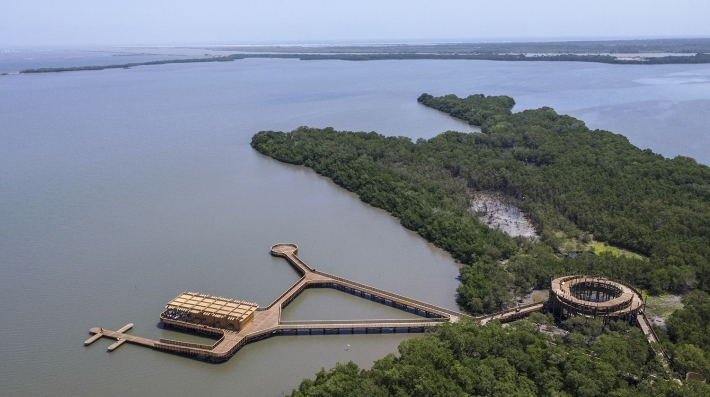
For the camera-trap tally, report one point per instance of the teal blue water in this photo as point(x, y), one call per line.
point(120, 189)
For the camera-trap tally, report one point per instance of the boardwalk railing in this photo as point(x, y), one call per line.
point(355, 322)
point(303, 264)
point(267, 321)
point(513, 312)
point(298, 287)
point(361, 326)
point(650, 328)
point(288, 291)
point(196, 327)
point(668, 361)
point(515, 309)
point(389, 295)
point(188, 344)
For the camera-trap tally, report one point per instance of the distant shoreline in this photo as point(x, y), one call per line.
point(127, 65)
point(617, 52)
point(689, 59)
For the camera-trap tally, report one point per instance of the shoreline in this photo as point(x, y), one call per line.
point(698, 58)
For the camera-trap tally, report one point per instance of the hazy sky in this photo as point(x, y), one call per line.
point(175, 22)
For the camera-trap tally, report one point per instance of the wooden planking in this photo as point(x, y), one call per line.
point(93, 339)
point(646, 328)
point(311, 275)
point(512, 314)
point(267, 322)
point(629, 300)
point(119, 336)
point(116, 344)
point(358, 325)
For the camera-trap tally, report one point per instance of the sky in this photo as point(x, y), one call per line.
point(30, 23)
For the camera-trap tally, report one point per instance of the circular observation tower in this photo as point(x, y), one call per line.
point(594, 296)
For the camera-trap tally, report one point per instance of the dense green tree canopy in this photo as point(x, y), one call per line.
point(566, 177)
point(468, 360)
point(572, 182)
point(689, 332)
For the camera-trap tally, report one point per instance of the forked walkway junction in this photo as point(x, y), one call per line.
point(237, 323)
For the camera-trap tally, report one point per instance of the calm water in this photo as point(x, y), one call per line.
point(12, 61)
point(119, 189)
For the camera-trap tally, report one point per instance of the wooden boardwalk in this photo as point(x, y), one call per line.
point(119, 336)
point(513, 313)
point(623, 301)
point(647, 329)
point(267, 321)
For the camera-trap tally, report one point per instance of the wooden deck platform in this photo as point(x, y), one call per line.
point(267, 321)
point(119, 336)
point(624, 302)
point(513, 313)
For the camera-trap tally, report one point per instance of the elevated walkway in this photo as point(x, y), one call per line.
point(595, 296)
point(267, 321)
point(624, 301)
point(513, 313)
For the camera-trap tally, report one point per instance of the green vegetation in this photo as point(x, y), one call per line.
point(601, 247)
point(570, 51)
point(228, 58)
point(662, 306)
point(689, 334)
point(468, 360)
point(697, 58)
point(686, 46)
point(646, 219)
point(567, 178)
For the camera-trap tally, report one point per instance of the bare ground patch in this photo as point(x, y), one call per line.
point(499, 212)
point(535, 296)
point(659, 308)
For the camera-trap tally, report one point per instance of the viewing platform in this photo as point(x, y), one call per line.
point(237, 323)
point(595, 297)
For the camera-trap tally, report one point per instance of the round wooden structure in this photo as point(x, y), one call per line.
point(594, 297)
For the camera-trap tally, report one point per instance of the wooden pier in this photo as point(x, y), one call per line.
point(119, 336)
point(267, 322)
